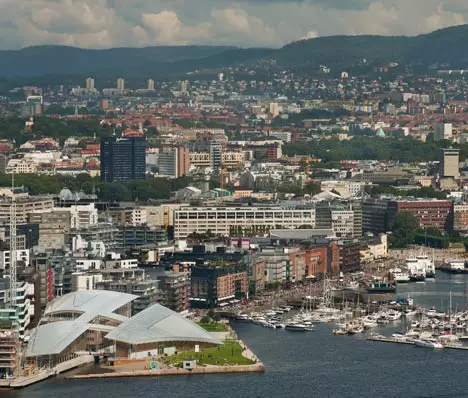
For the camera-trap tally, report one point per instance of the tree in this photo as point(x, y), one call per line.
point(404, 229)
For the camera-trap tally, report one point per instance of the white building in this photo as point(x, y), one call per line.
point(85, 264)
point(81, 281)
point(220, 220)
point(443, 131)
point(21, 255)
point(83, 216)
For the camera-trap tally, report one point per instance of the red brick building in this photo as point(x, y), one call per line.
point(430, 213)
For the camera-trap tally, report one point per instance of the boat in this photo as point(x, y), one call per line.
point(401, 277)
point(296, 327)
point(243, 318)
point(453, 266)
point(416, 269)
point(381, 287)
point(353, 286)
point(428, 343)
point(427, 264)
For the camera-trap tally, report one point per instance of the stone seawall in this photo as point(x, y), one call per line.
point(201, 370)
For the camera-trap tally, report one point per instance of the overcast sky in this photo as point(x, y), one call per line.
point(246, 23)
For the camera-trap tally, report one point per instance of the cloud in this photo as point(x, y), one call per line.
point(109, 23)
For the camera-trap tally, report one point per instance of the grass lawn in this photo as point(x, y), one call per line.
point(213, 327)
point(230, 353)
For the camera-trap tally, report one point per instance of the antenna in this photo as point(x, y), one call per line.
point(13, 244)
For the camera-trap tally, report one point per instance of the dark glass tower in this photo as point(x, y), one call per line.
point(123, 158)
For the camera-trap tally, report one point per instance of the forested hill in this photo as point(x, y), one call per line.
point(445, 48)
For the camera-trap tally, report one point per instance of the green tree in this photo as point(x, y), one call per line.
point(404, 229)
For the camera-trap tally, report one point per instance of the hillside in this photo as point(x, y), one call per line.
point(359, 54)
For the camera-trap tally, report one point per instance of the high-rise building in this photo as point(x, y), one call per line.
point(449, 163)
point(184, 86)
point(174, 162)
point(443, 131)
point(274, 109)
point(120, 84)
point(216, 154)
point(90, 84)
point(123, 158)
point(104, 104)
point(150, 84)
point(34, 105)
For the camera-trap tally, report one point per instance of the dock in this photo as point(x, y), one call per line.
point(385, 339)
point(396, 340)
point(25, 381)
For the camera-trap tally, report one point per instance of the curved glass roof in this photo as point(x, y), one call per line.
point(54, 337)
point(159, 324)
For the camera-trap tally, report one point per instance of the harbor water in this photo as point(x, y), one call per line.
point(314, 364)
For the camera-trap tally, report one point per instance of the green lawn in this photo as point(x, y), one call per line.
point(213, 327)
point(230, 353)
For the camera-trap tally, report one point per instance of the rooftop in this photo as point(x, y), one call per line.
point(158, 324)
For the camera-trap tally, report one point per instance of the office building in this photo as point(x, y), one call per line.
point(229, 221)
point(184, 86)
point(150, 84)
point(90, 84)
point(174, 162)
point(34, 104)
point(449, 163)
point(123, 158)
point(120, 84)
point(443, 131)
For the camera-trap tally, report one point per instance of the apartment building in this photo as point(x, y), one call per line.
point(24, 206)
point(221, 220)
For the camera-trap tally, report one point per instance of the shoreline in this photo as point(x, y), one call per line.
point(201, 370)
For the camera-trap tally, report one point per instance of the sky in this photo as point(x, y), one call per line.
point(245, 23)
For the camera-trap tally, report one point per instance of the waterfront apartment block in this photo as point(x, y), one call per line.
point(221, 220)
point(215, 283)
point(8, 348)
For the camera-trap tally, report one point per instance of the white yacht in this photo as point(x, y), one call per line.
point(428, 343)
point(296, 327)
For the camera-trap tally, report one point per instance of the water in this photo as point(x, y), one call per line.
point(315, 364)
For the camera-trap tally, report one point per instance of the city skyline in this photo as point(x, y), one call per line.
point(113, 23)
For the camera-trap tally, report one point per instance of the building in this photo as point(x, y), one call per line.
point(5, 259)
point(460, 217)
point(230, 221)
point(120, 84)
point(349, 256)
point(375, 215)
point(443, 131)
point(146, 290)
point(90, 85)
point(76, 322)
point(216, 155)
point(216, 282)
point(123, 158)
point(132, 216)
point(433, 213)
point(184, 86)
point(150, 85)
point(174, 162)
point(9, 344)
point(177, 291)
point(24, 206)
point(449, 163)
point(274, 109)
point(158, 331)
point(24, 310)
